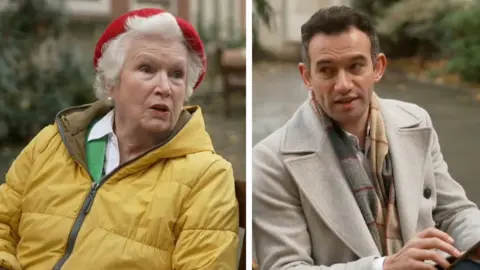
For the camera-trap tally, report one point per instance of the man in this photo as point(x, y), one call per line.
point(353, 181)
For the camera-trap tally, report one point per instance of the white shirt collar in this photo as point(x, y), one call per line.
point(102, 128)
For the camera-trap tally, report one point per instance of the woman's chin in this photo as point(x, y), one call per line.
point(156, 125)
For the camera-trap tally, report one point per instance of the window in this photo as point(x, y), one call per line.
point(157, 2)
point(163, 4)
point(88, 7)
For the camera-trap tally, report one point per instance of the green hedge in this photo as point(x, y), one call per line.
point(35, 82)
point(462, 41)
point(447, 29)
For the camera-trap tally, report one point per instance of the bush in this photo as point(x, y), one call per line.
point(38, 76)
point(462, 42)
point(409, 27)
point(373, 7)
point(414, 24)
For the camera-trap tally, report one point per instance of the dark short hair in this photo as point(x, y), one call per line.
point(336, 20)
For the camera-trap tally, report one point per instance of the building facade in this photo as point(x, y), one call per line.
point(215, 20)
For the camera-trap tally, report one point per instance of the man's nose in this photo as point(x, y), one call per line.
point(343, 82)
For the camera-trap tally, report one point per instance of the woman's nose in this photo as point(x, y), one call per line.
point(162, 86)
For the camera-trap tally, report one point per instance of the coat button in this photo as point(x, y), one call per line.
point(427, 193)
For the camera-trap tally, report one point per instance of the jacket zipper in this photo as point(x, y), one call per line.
point(88, 202)
point(86, 206)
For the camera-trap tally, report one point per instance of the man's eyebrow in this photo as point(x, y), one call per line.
point(358, 57)
point(323, 62)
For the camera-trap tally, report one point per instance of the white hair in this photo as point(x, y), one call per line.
point(114, 52)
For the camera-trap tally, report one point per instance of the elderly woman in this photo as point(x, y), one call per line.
point(131, 181)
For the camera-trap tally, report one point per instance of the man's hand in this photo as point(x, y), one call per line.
point(420, 249)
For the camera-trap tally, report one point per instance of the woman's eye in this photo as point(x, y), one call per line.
point(146, 69)
point(177, 74)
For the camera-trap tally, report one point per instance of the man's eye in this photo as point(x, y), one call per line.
point(326, 71)
point(356, 67)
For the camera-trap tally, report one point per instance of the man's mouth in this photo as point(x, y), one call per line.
point(345, 100)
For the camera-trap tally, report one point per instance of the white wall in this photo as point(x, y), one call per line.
point(84, 7)
point(226, 8)
point(171, 5)
point(284, 37)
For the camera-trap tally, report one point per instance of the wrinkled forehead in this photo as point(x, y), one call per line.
point(339, 47)
point(157, 48)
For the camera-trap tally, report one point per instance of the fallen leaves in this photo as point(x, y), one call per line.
point(434, 71)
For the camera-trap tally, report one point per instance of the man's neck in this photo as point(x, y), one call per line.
point(358, 128)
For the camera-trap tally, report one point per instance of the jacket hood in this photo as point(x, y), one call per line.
point(188, 137)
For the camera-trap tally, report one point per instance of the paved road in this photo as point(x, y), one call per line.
point(278, 91)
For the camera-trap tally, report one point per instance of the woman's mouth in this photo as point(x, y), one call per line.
point(160, 110)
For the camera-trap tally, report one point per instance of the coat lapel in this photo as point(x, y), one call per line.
point(408, 145)
point(316, 170)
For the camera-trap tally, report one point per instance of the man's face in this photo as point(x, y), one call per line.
point(342, 75)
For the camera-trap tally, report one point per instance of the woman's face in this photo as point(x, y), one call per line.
point(150, 93)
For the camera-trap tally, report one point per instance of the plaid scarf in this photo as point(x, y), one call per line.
point(376, 196)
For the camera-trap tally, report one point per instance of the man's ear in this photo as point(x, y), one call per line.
point(379, 66)
point(305, 73)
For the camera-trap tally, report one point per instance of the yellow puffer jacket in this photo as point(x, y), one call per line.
point(172, 208)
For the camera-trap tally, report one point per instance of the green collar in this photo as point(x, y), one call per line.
point(95, 153)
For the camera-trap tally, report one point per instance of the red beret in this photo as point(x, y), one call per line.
point(118, 26)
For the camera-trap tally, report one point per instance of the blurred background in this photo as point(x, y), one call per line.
point(46, 52)
point(433, 51)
